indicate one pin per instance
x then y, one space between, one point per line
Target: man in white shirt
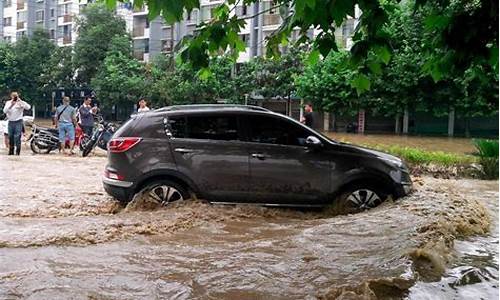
14 109
142 106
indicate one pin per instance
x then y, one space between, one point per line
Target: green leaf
383 54
205 73
494 57
375 67
311 3
361 83
313 57
436 22
110 3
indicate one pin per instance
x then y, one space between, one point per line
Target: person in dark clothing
307 119
86 113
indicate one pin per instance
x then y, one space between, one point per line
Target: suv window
224 128
271 130
177 126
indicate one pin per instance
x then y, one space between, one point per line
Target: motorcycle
100 137
43 140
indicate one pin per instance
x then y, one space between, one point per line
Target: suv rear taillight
122 144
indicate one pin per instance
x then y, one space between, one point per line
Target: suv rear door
209 149
282 169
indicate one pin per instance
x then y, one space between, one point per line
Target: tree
31 56
60 70
120 79
181 85
96 28
326 84
8 66
466 31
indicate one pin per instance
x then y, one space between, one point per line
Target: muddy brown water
62 237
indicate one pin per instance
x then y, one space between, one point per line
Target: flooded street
62 237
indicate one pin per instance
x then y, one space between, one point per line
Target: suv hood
394 160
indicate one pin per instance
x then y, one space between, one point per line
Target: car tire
359 197
163 191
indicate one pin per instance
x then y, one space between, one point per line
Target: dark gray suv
245 154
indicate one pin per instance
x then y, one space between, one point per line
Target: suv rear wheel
163 191
359 197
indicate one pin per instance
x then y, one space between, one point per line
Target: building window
7 21
146 46
39 16
244 10
52 13
147 23
7 39
64 9
246 39
348 28
20 34
52 34
8 3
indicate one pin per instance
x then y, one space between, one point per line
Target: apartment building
22 17
150 38
154 37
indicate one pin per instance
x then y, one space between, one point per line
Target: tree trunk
451 122
467 127
406 120
326 121
397 127
334 125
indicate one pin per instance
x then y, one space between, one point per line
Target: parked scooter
100 137
43 140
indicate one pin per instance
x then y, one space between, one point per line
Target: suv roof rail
211 106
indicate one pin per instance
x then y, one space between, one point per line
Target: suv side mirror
313 142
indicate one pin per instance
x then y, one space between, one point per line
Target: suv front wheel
359 197
163 191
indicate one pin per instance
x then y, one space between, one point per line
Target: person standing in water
14 109
66 122
307 119
143 106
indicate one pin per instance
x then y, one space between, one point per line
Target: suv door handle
183 150
259 156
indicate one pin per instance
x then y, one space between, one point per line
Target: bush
488 157
418 156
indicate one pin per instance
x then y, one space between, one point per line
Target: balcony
166 46
138 32
139 55
273 19
67 18
20 25
66 39
21 5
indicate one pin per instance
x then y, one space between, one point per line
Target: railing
20 5
138 31
20 25
67 18
166 46
139 55
273 19
67 39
